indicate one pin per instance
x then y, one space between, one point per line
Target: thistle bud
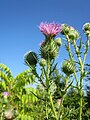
86 28
8 114
65 29
49 49
43 62
31 58
68 67
58 41
73 35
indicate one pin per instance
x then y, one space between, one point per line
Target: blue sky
19 21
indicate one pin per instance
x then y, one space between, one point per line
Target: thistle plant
55 87
72 36
49 50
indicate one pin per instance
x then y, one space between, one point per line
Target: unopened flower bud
43 62
86 28
73 35
68 67
65 29
8 114
58 41
31 58
49 49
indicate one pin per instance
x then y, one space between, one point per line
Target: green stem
48 88
71 58
53 108
81 80
80 105
81 76
46 110
60 107
86 51
61 103
47 73
69 49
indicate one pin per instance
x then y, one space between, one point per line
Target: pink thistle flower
50 29
6 94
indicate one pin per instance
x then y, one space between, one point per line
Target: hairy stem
61 103
81 76
48 88
53 108
71 58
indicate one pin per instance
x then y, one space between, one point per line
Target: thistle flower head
8 114
6 94
50 29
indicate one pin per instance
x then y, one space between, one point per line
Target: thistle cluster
51 99
70 32
49 48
